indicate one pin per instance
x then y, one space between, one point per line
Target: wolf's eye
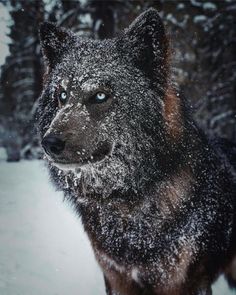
100 97
63 97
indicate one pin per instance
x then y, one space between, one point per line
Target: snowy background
43 248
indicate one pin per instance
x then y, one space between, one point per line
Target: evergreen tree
21 78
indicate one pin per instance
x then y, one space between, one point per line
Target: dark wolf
155 195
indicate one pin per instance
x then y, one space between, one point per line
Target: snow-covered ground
43 248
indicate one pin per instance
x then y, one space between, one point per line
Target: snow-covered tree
21 77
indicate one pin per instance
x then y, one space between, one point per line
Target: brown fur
119 277
119 281
173 192
172 114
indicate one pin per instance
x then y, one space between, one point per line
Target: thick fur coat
156 197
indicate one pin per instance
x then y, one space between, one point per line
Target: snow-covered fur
156 198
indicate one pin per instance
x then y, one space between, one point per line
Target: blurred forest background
203 38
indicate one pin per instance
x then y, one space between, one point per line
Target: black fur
159 208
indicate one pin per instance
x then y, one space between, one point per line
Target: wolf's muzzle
53 145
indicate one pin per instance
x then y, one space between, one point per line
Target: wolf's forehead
95 51
94 63
93 76
85 68
87 74
84 80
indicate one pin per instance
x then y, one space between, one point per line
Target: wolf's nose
53 145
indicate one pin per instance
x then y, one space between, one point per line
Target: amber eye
99 97
63 96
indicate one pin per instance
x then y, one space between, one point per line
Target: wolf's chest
170 272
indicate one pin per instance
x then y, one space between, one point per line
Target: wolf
156 196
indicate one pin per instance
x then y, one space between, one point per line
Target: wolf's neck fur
132 169
141 231
138 218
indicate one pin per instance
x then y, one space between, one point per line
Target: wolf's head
104 110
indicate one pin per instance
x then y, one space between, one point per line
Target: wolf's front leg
207 291
108 288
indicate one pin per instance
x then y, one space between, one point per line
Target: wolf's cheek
98 112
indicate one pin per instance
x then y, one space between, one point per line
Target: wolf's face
102 105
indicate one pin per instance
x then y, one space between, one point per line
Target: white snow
5 20
135 274
44 250
199 19
209 6
112 263
3 154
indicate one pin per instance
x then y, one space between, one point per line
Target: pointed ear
55 42
148 42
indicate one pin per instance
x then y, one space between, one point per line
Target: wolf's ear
55 41
148 42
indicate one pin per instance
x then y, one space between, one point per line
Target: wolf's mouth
103 152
